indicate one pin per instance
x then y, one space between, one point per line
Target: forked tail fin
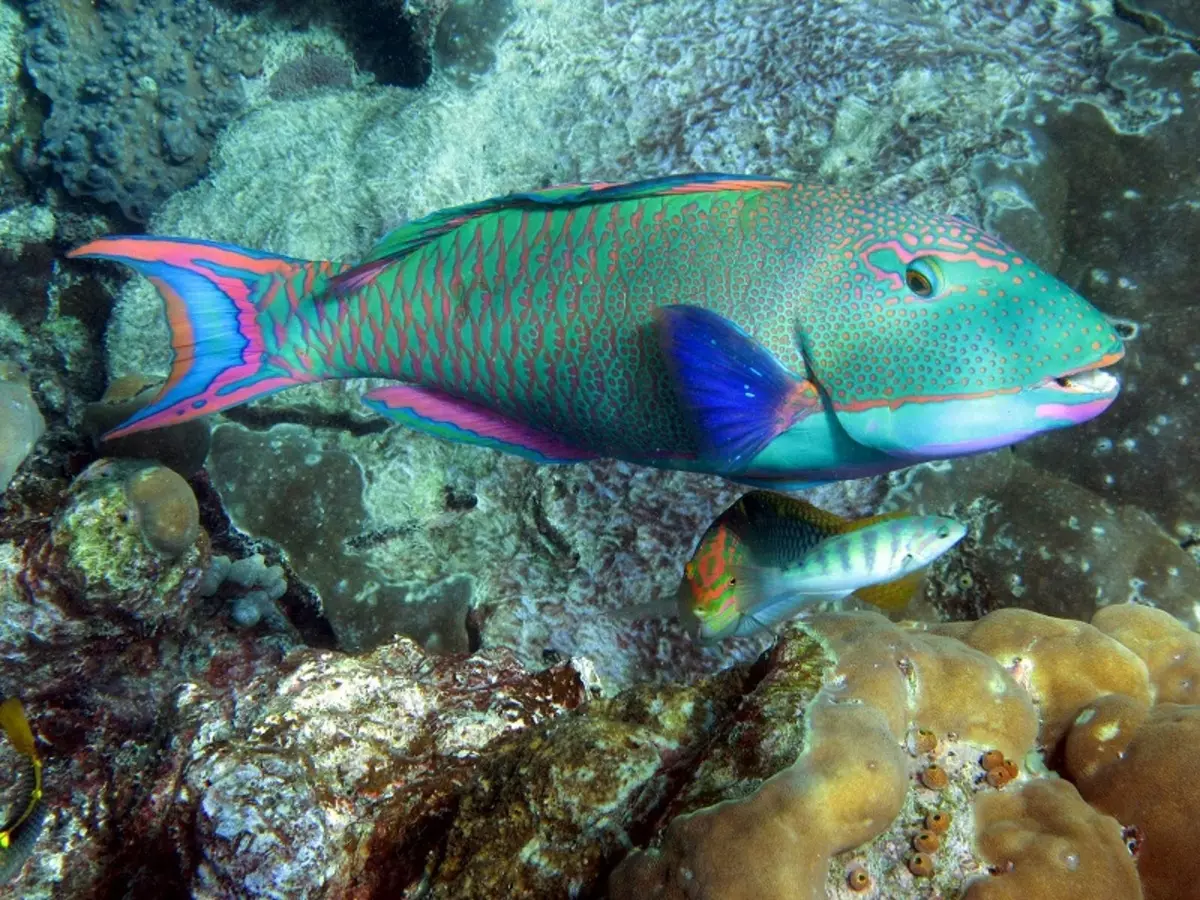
215 295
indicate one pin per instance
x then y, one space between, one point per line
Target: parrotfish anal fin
411 235
459 420
739 396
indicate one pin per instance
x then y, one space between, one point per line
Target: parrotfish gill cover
770 332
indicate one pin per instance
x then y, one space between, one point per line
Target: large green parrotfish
770 332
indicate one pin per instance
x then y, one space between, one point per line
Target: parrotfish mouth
1091 379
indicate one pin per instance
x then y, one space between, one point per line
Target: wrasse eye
921 277
732 582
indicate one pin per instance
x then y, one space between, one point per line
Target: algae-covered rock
21 422
128 536
1037 540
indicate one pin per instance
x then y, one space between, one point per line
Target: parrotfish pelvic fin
739 396
408 237
213 295
452 418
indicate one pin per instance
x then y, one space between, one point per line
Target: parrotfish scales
770 332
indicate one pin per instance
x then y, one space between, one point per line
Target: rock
127 541
1110 190
1041 542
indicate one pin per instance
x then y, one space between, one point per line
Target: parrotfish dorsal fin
414 234
738 396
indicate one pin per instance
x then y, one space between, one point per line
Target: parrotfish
769 556
770 332
19 835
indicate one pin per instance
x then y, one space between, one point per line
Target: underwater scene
600 449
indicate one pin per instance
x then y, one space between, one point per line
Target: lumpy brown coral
925 756
1043 841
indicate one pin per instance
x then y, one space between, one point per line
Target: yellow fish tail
16 726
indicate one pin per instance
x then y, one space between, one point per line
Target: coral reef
313 72
138 91
852 779
1147 782
1044 842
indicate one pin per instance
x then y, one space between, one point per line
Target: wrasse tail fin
213 295
454 419
739 396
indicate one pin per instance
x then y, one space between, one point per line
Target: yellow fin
16 726
892 596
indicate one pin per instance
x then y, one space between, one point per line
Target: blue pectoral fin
738 395
454 419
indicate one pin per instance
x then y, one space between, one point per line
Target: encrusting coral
1063 664
1044 842
853 778
925 753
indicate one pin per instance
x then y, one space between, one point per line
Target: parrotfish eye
943 532
732 582
921 276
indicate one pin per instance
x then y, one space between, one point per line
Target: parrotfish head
930 338
707 596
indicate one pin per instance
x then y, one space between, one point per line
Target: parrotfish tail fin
739 396
214 296
892 596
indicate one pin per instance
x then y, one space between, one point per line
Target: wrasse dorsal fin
779 529
419 232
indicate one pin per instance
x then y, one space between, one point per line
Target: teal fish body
769 332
